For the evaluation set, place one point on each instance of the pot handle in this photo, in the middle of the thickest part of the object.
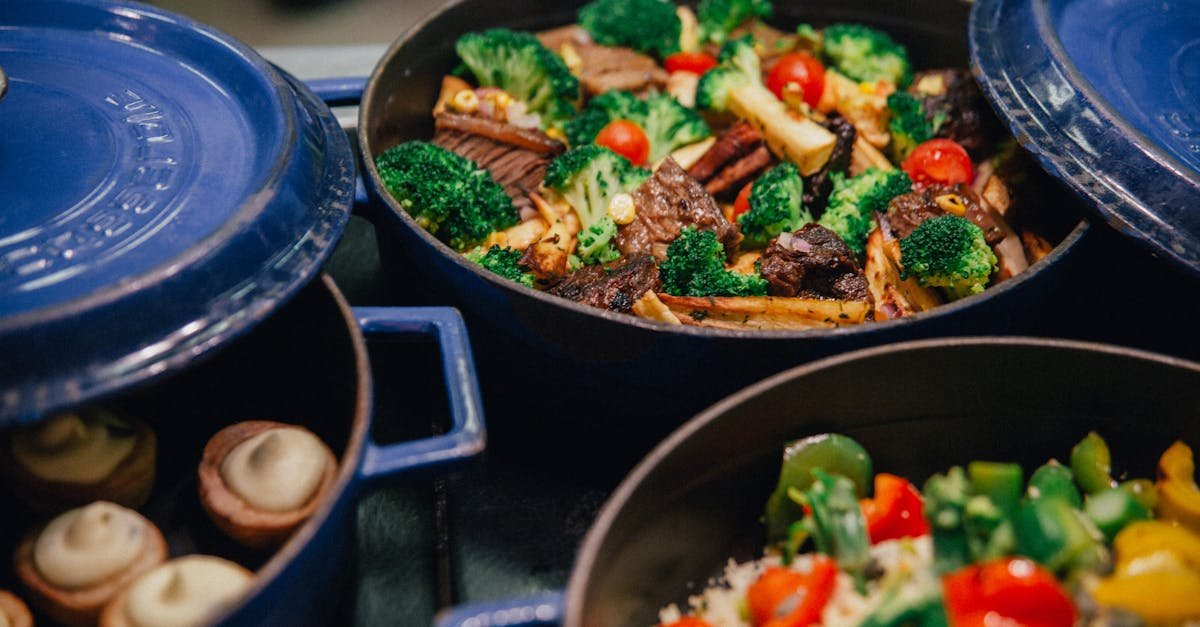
(544, 609)
(342, 91)
(467, 435)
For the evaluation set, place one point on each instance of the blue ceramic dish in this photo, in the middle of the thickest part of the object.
(663, 373)
(1106, 94)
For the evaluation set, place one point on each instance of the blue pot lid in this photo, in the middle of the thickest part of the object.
(162, 189)
(1106, 94)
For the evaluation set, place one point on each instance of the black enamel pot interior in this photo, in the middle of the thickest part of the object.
(307, 364)
(917, 408)
(663, 373)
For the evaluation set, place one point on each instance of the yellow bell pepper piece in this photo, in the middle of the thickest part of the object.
(1158, 597)
(1141, 540)
(1178, 495)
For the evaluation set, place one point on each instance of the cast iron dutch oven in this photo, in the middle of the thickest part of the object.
(662, 373)
(164, 191)
(917, 407)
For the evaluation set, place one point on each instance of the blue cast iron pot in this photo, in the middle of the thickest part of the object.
(584, 354)
(918, 408)
(307, 364)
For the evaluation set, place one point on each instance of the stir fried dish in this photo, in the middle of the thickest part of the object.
(1069, 544)
(706, 168)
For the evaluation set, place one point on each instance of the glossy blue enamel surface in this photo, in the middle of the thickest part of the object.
(1105, 95)
(162, 189)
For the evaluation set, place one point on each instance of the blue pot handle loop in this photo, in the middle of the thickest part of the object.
(342, 91)
(467, 435)
(544, 609)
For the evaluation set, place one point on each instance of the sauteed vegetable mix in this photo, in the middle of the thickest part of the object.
(979, 545)
(705, 168)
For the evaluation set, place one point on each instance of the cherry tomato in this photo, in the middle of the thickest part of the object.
(688, 621)
(626, 139)
(939, 161)
(782, 597)
(1006, 591)
(742, 204)
(802, 69)
(895, 512)
(694, 62)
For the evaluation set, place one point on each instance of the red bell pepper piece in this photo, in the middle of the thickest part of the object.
(785, 598)
(895, 512)
(1007, 591)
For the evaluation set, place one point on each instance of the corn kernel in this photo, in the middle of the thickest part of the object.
(621, 209)
(502, 100)
(556, 133)
(952, 203)
(465, 101)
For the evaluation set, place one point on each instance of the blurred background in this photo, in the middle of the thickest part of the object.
(273, 23)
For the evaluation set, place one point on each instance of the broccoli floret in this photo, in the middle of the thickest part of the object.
(717, 18)
(949, 252)
(739, 65)
(589, 177)
(505, 262)
(596, 243)
(866, 54)
(519, 64)
(775, 206)
(909, 126)
(649, 26)
(695, 266)
(854, 200)
(667, 124)
(448, 195)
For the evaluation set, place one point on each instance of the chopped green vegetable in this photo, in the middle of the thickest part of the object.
(909, 126)
(739, 65)
(1112, 509)
(718, 18)
(866, 54)
(853, 202)
(1092, 464)
(1053, 533)
(832, 452)
(1053, 480)
(837, 525)
(775, 206)
(448, 195)
(649, 26)
(588, 177)
(519, 64)
(505, 262)
(945, 508)
(1000, 482)
(695, 266)
(948, 252)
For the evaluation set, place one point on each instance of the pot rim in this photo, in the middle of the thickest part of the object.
(377, 189)
(581, 570)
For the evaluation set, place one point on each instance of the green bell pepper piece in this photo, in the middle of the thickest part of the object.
(1053, 480)
(1053, 533)
(1112, 509)
(1092, 464)
(945, 509)
(831, 452)
(1001, 483)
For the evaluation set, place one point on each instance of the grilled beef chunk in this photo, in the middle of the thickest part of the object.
(666, 203)
(907, 211)
(818, 186)
(606, 68)
(954, 94)
(516, 157)
(813, 262)
(616, 286)
(731, 178)
(735, 143)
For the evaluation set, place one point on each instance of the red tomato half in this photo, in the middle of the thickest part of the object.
(1006, 591)
(799, 68)
(626, 139)
(742, 204)
(782, 597)
(939, 161)
(694, 62)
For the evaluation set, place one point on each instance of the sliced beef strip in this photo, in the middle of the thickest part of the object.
(907, 211)
(666, 203)
(731, 178)
(738, 141)
(516, 157)
(968, 118)
(818, 186)
(573, 34)
(605, 68)
(813, 262)
(616, 286)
